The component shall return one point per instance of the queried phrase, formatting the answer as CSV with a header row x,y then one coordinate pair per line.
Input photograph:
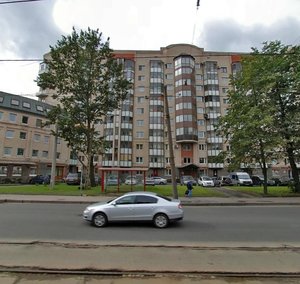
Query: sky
x,y
29,28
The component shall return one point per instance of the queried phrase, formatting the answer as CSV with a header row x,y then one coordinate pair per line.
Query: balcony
x,y
212,104
215,140
215,165
156,152
213,153
156,165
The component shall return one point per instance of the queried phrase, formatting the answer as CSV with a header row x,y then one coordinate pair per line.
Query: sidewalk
x,y
46,257
192,201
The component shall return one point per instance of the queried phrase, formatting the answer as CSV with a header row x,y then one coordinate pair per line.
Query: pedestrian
x,y
189,188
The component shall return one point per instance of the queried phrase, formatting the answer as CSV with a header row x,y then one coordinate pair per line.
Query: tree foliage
x,y
87,83
262,122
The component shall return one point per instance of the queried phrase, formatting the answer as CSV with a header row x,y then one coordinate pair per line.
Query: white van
x,y
240,178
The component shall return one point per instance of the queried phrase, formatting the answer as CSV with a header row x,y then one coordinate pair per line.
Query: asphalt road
x,y
217,225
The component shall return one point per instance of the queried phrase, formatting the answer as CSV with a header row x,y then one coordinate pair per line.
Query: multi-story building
x,y
195,83
26,146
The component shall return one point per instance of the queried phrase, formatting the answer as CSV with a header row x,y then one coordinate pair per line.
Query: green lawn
x,y
73,190
273,191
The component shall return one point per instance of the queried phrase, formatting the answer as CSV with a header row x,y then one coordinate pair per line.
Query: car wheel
x,y
99,220
161,220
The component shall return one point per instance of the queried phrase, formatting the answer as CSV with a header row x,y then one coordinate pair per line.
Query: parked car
x,y
40,179
185,179
240,178
149,181
131,180
206,181
225,181
282,181
159,180
259,180
217,181
111,180
73,178
135,206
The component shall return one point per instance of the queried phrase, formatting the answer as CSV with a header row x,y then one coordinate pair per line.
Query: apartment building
x,y
26,146
195,83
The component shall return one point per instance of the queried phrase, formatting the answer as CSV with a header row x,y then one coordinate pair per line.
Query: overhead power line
x,y
18,1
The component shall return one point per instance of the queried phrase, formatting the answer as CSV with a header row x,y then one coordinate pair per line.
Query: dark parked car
x,y
73,178
259,180
40,179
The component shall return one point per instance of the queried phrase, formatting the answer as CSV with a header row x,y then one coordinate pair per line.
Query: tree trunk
x,y
295,173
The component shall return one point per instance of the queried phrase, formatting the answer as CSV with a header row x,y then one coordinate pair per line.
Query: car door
x,y
122,209
144,207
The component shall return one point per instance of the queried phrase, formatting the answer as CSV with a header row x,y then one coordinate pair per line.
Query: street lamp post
x,y
171,153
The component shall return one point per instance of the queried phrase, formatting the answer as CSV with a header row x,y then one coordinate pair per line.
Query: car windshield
x,y
244,176
207,178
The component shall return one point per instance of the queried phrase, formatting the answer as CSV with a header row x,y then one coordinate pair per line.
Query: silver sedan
x,y
135,206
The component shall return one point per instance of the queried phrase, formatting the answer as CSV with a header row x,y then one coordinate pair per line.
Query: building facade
x,y
26,146
195,83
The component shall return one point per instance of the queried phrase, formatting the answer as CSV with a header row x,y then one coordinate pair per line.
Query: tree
x,y
248,120
88,83
263,119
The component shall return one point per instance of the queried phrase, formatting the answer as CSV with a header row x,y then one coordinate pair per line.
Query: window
x,y
126,200
9,134
1,115
37,137
38,123
142,67
7,151
140,122
3,170
141,78
57,155
45,154
169,65
14,102
35,153
46,139
186,160
20,152
223,69
140,134
17,171
39,108
140,99
202,160
200,122
25,119
1,99
141,199
139,146
139,111
169,76
225,90
202,147
23,135
26,105
12,117
201,134
139,160
141,89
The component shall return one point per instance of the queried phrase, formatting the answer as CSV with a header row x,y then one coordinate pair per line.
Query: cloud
x,y
27,29
228,35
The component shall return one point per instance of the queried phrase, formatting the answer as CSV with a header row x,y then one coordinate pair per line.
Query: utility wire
x,y
18,1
